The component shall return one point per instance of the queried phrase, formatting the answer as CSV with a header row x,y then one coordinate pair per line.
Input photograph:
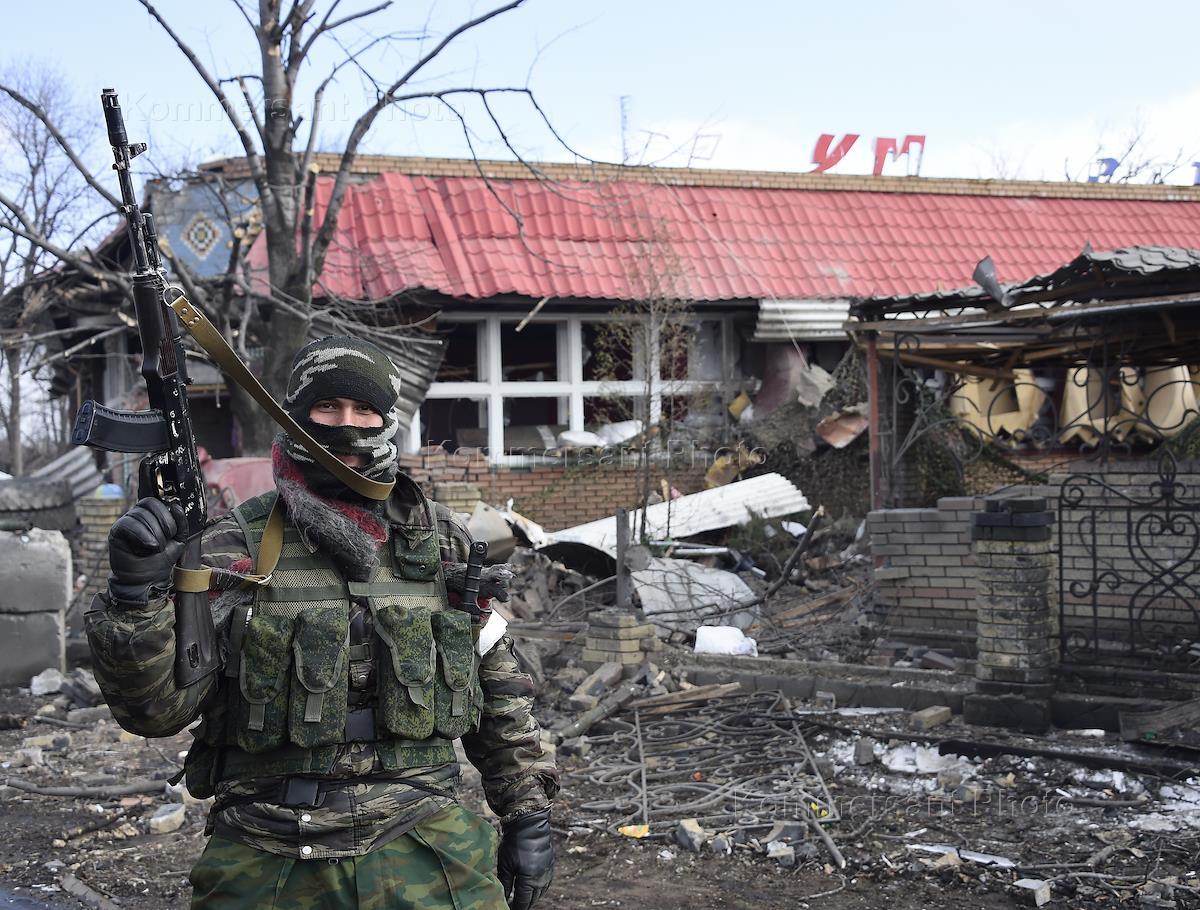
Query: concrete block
x,y
1033,891
613,619
864,751
1035,661
591,656
168,818
612,644
928,718
690,835
1013,712
641,630
35,573
29,643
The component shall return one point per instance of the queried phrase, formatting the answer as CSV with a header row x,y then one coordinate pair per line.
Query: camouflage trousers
x,y
447,861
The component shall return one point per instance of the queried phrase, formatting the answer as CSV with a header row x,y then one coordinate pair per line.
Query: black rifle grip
x,y
195,640
470,592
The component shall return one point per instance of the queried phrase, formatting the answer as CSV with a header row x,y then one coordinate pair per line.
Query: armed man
x,y
353,652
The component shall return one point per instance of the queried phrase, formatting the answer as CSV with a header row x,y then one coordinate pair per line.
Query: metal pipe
x,y
873,421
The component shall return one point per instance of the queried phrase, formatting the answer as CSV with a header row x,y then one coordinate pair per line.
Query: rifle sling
x,y
269,548
215,346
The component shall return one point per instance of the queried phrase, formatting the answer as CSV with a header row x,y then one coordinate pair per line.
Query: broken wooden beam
x,y
655,704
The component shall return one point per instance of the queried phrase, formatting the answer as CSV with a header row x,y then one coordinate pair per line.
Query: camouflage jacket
x,y
133,653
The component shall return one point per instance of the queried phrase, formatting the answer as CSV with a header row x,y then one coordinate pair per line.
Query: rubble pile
x,y
869,795
98,794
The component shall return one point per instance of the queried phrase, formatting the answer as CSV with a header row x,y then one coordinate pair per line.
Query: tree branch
x,y
363,124
30,232
253,160
53,130
327,26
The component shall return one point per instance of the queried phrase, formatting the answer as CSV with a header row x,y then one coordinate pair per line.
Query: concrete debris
x,y
784,853
864,752
50,742
825,701
47,682
690,835
89,715
721,845
1033,891
928,718
589,692
28,757
81,687
167,819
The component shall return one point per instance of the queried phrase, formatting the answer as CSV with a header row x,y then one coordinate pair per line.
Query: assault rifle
x,y
171,468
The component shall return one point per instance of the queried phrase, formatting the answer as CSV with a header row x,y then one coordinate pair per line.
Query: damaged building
x,y
904,607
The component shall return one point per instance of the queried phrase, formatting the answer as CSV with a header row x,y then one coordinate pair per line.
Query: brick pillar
x,y
1017,614
96,515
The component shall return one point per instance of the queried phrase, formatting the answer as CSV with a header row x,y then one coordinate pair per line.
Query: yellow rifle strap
x,y
269,548
214,345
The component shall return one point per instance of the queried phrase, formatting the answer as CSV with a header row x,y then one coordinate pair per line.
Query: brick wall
x,y
555,496
90,549
925,571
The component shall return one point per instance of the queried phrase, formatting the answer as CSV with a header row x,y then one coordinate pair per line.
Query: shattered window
x,y
604,410
532,425
461,362
608,352
454,422
530,355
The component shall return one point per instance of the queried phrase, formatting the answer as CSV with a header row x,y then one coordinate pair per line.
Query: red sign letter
x,y
823,158
885,147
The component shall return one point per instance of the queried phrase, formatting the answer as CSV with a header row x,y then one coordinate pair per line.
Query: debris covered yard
x,y
690,781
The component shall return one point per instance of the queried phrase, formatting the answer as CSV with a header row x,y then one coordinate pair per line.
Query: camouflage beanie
x,y
340,366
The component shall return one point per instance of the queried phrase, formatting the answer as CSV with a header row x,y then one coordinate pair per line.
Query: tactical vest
x,y
283,702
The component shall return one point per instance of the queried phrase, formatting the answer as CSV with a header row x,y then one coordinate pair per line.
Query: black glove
x,y
143,546
525,864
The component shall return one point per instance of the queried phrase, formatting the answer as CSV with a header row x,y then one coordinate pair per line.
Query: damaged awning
x,y
766,496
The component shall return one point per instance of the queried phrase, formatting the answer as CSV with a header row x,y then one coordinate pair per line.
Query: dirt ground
x,y
105,844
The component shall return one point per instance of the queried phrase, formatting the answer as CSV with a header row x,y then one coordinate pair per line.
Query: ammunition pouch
x,y
287,706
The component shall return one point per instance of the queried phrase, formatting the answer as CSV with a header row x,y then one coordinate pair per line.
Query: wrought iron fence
x,y
1129,572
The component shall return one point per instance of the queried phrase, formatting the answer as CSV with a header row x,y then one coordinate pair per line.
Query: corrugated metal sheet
x,y
1096,274
767,495
76,467
801,320
458,235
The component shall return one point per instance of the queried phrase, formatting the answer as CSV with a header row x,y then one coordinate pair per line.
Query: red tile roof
x,y
758,236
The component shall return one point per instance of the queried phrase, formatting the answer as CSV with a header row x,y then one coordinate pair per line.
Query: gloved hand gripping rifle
x,y
170,470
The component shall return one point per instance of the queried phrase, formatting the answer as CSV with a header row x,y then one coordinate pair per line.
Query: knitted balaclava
x,y
340,366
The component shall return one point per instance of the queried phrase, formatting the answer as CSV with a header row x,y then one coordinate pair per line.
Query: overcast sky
x,y
1014,89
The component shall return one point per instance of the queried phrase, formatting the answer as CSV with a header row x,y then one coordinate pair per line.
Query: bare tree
x,y
43,207
279,135
1132,158
649,340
